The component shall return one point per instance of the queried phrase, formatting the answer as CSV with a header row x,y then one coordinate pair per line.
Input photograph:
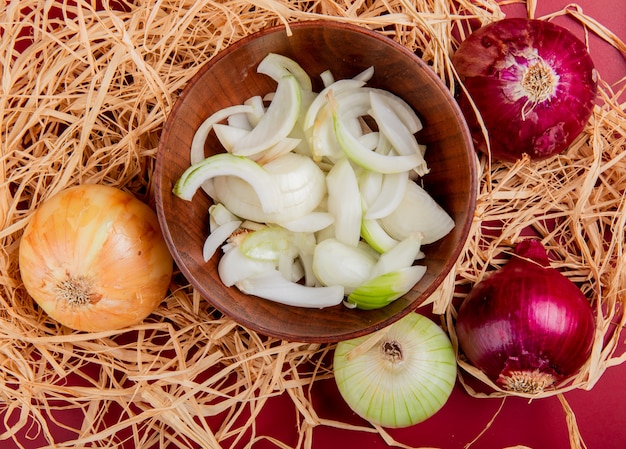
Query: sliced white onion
x,y
402,109
344,202
374,234
217,237
271,285
234,266
225,164
370,185
327,78
322,138
219,215
201,134
258,110
386,288
268,244
400,256
335,263
362,156
389,123
239,121
301,188
277,67
229,135
300,174
283,147
390,195
418,212
277,122
365,75
313,222
321,99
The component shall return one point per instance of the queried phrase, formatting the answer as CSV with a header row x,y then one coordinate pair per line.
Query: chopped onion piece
x,y
321,99
335,263
234,266
327,78
219,215
313,222
384,289
301,188
400,256
395,131
217,237
344,202
239,121
365,75
267,244
271,285
277,122
258,110
285,146
201,134
370,160
418,212
402,109
374,234
229,135
222,164
390,195
278,67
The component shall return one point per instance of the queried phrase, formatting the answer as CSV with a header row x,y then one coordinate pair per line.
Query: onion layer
x,y
526,326
94,259
532,81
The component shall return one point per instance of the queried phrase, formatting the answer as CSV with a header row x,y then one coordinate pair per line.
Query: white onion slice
x,y
374,234
301,188
344,202
217,237
418,212
395,131
201,134
335,263
258,110
400,256
259,180
219,215
234,266
277,67
271,285
386,288
390,195
229,135
313,222
321,99
277,122
362,156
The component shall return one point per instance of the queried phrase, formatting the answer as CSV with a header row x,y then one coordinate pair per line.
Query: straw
x,y
84,94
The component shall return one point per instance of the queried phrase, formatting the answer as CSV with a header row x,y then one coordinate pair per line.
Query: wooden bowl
x,y
229,79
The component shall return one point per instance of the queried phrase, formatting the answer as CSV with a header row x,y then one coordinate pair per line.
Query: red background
x,y
539,424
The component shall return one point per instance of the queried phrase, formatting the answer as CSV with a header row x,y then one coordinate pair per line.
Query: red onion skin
x,y
526,321
491,63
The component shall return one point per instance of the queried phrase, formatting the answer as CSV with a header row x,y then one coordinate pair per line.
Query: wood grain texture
x,y
230,78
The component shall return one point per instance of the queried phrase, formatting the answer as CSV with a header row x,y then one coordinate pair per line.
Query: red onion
x,y
526,326
532,81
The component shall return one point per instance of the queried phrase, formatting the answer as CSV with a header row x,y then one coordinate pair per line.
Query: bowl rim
x,y
472,168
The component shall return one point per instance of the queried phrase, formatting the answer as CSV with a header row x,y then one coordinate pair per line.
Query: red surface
x,y
540,424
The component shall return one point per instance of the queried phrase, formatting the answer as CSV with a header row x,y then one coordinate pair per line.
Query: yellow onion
x,y
93,258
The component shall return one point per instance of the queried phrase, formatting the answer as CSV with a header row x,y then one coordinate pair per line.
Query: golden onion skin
x,y
94,259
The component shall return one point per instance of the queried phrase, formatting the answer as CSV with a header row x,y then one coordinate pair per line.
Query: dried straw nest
x,y
83,96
